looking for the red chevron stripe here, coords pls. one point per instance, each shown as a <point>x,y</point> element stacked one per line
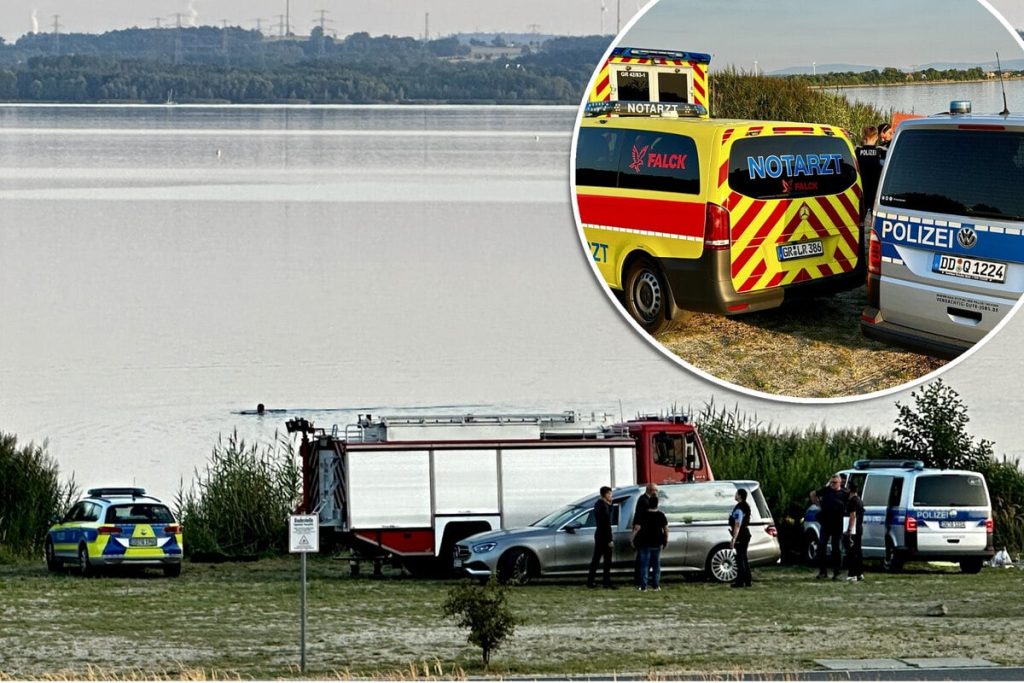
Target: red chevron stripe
<point>776,279</point>
<point>758,273</point>
<point>802,276</point>
<point>825,270</point>
<point>699,88</point>
<point>723,171</point>
<point>740,260</point>
<point>851,210</point>
<point>605,83</point>
<point>740,226</point>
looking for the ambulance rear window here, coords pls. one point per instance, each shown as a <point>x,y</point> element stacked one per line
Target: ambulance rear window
<point>950,490</point>
<point>633,86</point>
<point>975,173</point>
<point>791,166</point>
<point>660,162</point>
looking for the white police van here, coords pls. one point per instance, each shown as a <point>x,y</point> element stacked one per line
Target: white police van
<point>916,513</point>
<point>946,248</point>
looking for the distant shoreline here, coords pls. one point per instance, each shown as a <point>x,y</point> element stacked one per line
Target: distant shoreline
<point>914,83</point>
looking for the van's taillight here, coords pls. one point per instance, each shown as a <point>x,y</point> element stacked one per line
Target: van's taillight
<point>772,531</point>
<point>109,530</point>
<point>874,254</point>
<point>910,525</point>
<point>172,529</point>
<point>990,526</point>
<point>716,228</point>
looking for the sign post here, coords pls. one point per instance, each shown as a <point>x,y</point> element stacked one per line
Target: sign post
<point>303,538</point>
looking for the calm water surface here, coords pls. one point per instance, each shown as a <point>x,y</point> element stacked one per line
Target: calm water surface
<point>163,268</point>
<point>986,97</point>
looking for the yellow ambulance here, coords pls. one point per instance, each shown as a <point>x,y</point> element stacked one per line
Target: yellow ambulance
<point>684,212</point>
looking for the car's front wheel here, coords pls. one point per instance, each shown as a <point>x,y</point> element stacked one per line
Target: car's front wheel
<point>721,564</point>
<point>517,567</point>
<point>53,563</point>
<point>85,567</point>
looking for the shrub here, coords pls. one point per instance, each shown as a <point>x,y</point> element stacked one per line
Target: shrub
<point>484,610</point>
<point>32,494</point>
<point>238,507</point>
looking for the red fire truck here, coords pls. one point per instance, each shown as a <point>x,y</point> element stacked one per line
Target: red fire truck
<point>407,488</point>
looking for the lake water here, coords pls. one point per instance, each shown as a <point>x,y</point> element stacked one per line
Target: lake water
<point>164,268</point>
<point>986,97</point>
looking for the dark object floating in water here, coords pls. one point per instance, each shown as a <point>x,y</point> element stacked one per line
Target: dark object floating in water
<point>262,410</point>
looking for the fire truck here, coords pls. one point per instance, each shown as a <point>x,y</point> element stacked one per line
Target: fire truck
<point>405,489</point>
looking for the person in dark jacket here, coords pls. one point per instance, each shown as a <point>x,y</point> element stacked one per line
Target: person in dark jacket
<point>642,504</point>
<point>854,535</point>
<point>831,500</point>
<point>650,535</point>
<point>739,522</point>
<point>603,542</point>
<point>869,163</point>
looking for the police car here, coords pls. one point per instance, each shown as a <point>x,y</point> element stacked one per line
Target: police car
<point>946,248</point>
<point>912,512</point>
<point>116,527</point>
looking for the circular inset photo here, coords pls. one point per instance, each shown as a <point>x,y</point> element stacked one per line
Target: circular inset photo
<point>805,202</point>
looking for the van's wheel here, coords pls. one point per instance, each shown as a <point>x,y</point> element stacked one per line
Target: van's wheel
<point>172,571</point>
<point>53,563</point>
<point>891,561</point>
<point>721,564</point>
<point>517,567</point>
<point>85,567</point>
<point>647,296</point>
<point>971,565</point>
<point>810,549</point>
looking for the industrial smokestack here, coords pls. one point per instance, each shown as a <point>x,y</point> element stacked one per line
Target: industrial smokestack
<point>193,14</point>
<point>35,21</point>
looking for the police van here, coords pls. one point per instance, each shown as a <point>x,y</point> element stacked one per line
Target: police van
<point>916,513</point>
<point>946,248</point>
<point>682,212</point>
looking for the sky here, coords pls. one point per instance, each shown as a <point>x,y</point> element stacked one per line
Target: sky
<point>786,33</point>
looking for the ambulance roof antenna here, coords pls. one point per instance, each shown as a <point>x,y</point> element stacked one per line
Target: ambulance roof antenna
<point>1006,109</point>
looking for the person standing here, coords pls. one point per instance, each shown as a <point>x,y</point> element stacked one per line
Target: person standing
<point>869,163</point>
<point>650,535</point>
<point>854,535</point>
<point>831,501</point>
<point>739,521</point>
<point>885,132</point>
<point>642,505</point>
<point>603,542</point>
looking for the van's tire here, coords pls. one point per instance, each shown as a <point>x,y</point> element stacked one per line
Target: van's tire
<point>971,565</point>
<point>721,564</point>
<point>517,567</point>
<point>647,295</point>
<point>53,563</point>
<point>891,561</point>
<point>172,571</point>
<point>809,552</point>
<point>85,567</point>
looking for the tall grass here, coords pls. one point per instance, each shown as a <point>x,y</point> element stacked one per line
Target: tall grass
<point>736,95</point>
<point>31,494</point>
<point>238,506</point>
<point>788,463</point>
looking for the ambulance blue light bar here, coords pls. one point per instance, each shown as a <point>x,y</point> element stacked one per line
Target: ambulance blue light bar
<point>668,109</point>
<point>640,53</point>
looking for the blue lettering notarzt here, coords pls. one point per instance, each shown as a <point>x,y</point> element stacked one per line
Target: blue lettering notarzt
<point>793,165</point>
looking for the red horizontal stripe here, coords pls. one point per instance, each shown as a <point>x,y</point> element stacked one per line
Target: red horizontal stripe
<point>793,129</point>
<point>649,215</point>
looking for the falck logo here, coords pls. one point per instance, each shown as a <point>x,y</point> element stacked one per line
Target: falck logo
<point>638,157</point>
<point>967,237</point>
<point>787,186</point>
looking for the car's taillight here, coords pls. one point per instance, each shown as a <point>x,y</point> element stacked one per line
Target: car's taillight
<point>772,531</point>
<point>109,530</point>
<point>990,526</point>
<point>172,529</point>
<point>874,254</point>
<point>910,524</point>
<point>716,228</point>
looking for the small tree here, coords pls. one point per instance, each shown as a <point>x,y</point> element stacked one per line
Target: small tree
<point>484,610</point>
<point>934,430</point>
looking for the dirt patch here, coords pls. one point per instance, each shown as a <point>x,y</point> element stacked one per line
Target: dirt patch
<point>813,349</point>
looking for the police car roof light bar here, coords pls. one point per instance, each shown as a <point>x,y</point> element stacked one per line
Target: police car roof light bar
<point>619,108</point>
<point>897,464</point>
<point>117,491</point>
<point>640,53</point>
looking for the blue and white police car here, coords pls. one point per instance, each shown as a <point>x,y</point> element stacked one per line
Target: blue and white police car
<point>946,246</point>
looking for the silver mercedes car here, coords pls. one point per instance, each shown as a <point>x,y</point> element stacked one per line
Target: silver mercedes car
<point>562,543</point>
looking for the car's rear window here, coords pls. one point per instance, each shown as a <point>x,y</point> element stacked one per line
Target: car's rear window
<point>139,513</point>
<point>950,490</point>
<point>970,173</point>
<point>791,166</point>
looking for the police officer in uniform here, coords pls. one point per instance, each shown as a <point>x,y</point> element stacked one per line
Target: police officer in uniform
<point>739,520</point>
<point>869,162</point>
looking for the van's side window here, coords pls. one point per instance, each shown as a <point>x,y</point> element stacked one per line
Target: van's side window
<point>597,157</point>
<point>665,163</point>
<point>876,490</point>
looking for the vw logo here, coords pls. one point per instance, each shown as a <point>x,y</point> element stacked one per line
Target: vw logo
<point>967,237</point>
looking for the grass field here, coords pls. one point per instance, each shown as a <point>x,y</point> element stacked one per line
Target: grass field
<point>809,350</point>
<point>241,620</point>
